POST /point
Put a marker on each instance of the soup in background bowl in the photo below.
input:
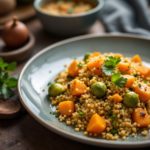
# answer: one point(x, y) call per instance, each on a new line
point(67, 7)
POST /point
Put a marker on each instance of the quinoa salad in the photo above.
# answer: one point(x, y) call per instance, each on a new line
point(104, 95)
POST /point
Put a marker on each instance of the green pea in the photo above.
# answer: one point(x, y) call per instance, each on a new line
point(56, 89)
point(131, 99)
point(98, 89)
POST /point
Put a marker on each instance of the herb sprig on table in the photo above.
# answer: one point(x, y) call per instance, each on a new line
point(7, 82)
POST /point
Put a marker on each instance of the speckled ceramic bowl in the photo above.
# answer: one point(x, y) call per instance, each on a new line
point(44, 66)
point(68, 25)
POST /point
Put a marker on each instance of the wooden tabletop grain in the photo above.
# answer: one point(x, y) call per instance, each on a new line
point(24, 133)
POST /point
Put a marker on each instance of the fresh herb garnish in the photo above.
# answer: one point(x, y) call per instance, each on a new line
point(56, 114)
point(145, 81)
point(110, 64)
point(81, 113)
point(80, 65)
point(118, 80)
point(139, 85)
point(7, 83)
point(113, 131)
point(70, 11)
point(113, 118)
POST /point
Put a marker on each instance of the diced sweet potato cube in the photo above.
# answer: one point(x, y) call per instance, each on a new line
point(143, 70)
point(97, 124)
point(94, 54)
point(95, 66)
point(136, 59)
point(124, 67)
point(130, 80)
point(141, 117)
point(116, 98)
point(143, 91)
point(73, 69)
point(77, 87)
point(66, 108)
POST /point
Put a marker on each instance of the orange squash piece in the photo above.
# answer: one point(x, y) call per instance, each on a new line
point(141, 117)
point(124, 67)
point(130, 80)
point(73, 69)
point(66, 108)
point(116, 98)
point(94, 54)
point(97, 124)
point(95, 66)
point(118, 55)
point(77, 87)
point(136, 59)
point(143, 70)
point(143, 91)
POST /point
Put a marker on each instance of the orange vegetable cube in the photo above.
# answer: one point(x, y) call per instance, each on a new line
point(97, 124)
point(143, 91)
point(143, 70)
point(136, 59)
point(73, 69)
point(141, 117)
point(130, 80)
point(94, 54)
point(66, 108)
point(77, 87)
point(116, 98)
point(118, 55)
point(95, 66)
point(124, 67)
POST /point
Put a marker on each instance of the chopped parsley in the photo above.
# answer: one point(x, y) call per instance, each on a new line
point(118, 80)
point(110, 64)
point(70, 11)
point(113, 131)
point(81, 113)
point(80, 65)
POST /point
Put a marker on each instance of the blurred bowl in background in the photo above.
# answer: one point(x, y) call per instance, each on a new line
point(67, 25)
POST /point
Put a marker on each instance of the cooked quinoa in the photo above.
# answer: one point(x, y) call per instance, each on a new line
point(104, 95)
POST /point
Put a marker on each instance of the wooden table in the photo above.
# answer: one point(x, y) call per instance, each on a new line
point(24, 133)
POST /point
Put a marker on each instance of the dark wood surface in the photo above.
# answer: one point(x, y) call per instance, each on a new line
point(24, 133)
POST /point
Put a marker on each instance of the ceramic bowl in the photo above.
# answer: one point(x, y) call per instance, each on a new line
point(44, 67)
point(67, 25)
point(19, 54)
